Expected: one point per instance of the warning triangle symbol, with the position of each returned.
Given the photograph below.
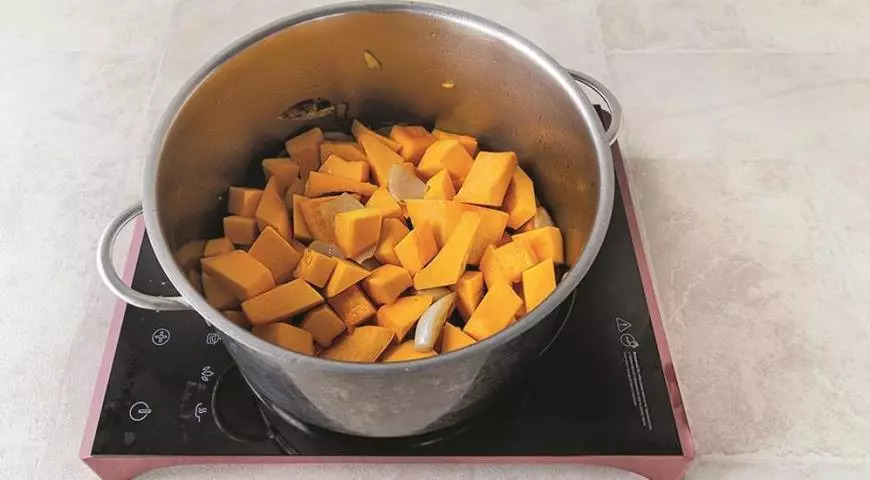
(622, 325)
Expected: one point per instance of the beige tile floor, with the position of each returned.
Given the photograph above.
(746, 141)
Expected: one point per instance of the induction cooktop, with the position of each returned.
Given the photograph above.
(604, 392)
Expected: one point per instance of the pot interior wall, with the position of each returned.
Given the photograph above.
(232, 119)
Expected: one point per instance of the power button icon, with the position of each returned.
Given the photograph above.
(139, 411)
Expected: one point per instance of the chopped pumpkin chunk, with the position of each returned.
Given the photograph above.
(187, 256)
(305, 150)
(362, 345)
(495, 312)
(286, 336)
(357, 170)
(240, 230)
(349, 151)
(217, 246)
(392, 231)
(538, 283)
(414, 140)
(300, 227)
(546, 242)
(491, 269)
(359, 130)
(243, 201)
(514, 259)
(488, 179)
(449, 263)
(440, 187)
(357, 230)
(441, 215)
(319, 215)
(453, 338)
(195, 279)
(323, 324)
(519, 200)
(285, 171)
(540, 220)
(237, 317)
(315, 268)
(322, 184)
(469, 290)
(446, 154)
(353, 306)
(386, 283)
(417, 248)
(272, 210)
(401, 315)
(380, 158)
(281, 303)
(216, 295)
(383, 200)
(405, 352)
(275, 252)
(345, 274)
(239, 273)
(467, 142)
(492, 225)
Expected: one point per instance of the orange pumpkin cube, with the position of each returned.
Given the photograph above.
(243, 201)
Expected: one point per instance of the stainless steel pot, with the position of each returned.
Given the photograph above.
(507, 92)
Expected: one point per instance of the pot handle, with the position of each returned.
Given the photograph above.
(609, 99)
(110, 276)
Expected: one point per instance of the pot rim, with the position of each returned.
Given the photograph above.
(547, 65)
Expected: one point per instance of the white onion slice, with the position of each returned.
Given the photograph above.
(431, 322)
(365, 255)
(542, 218)
(404, 185)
